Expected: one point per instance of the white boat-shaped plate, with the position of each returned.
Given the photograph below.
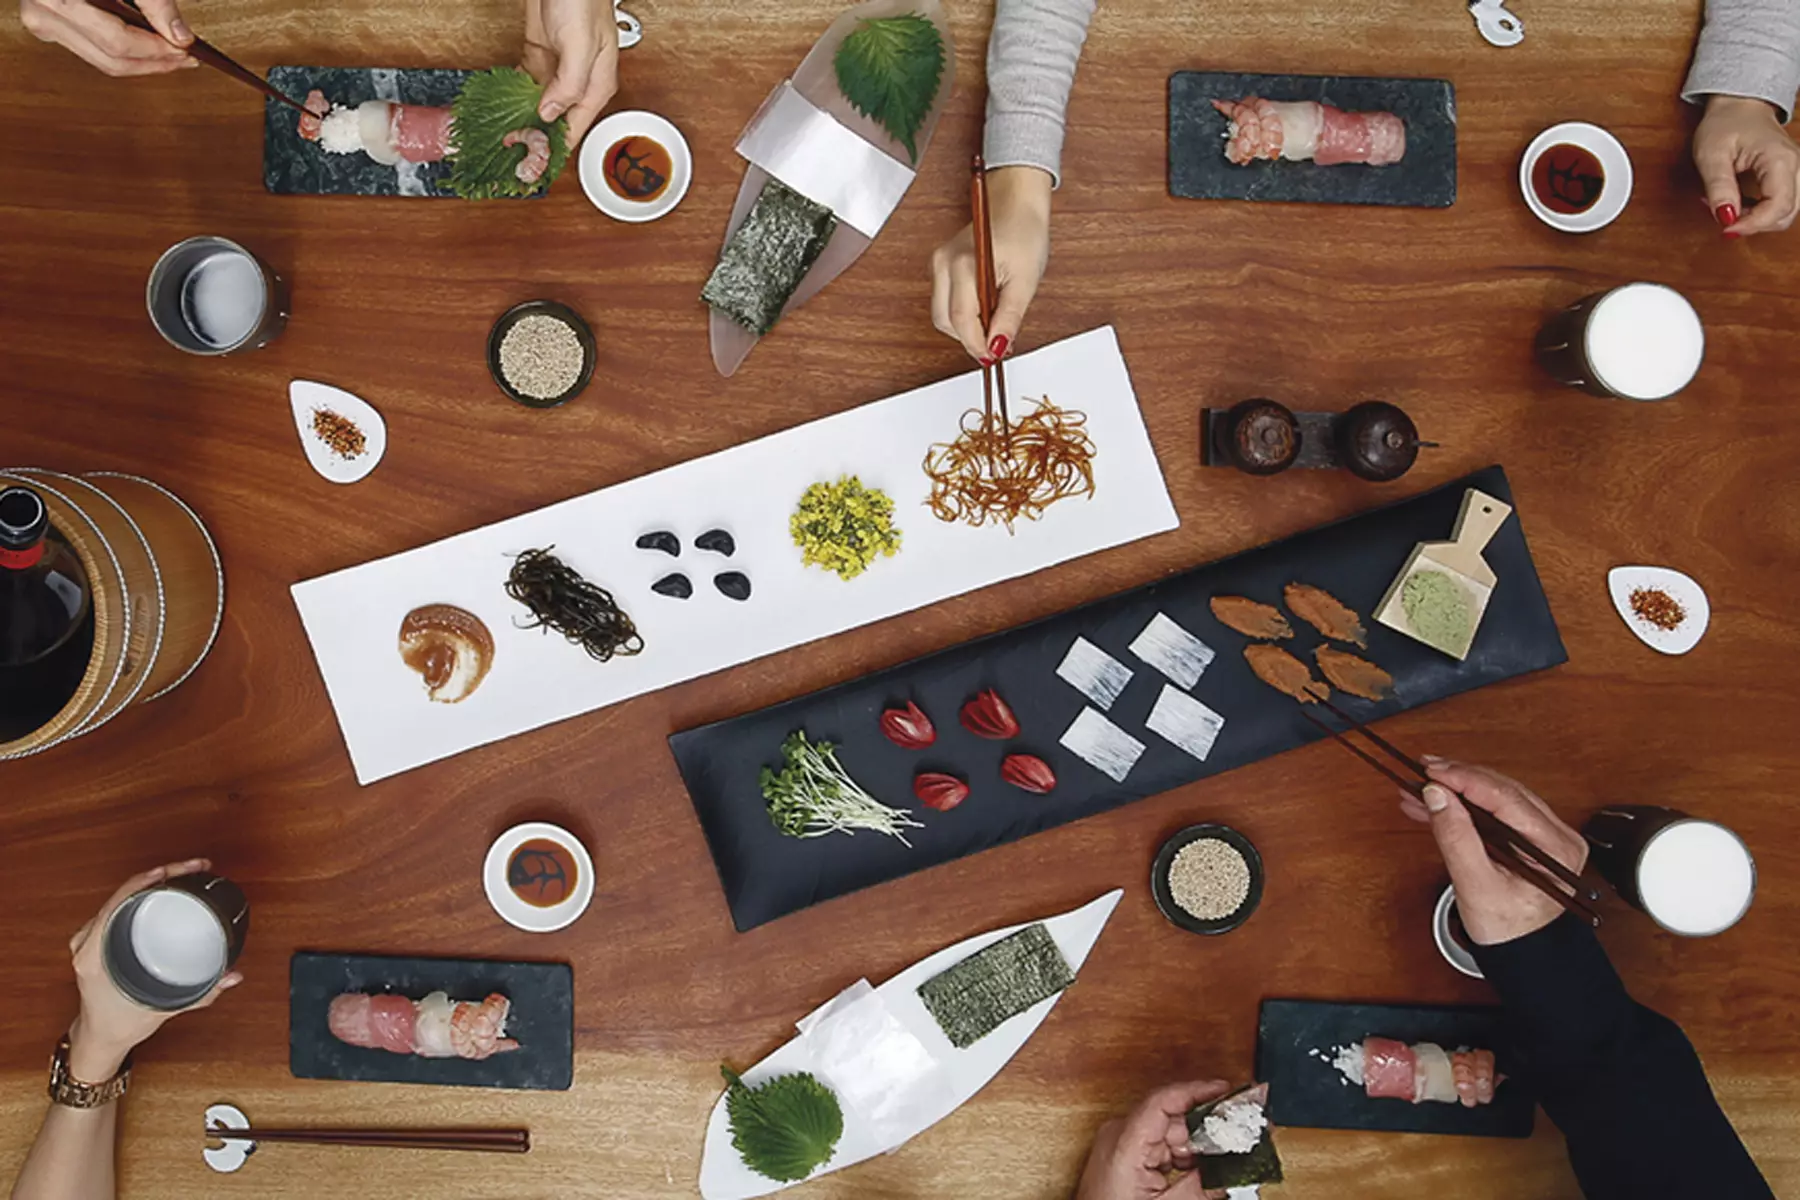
(306, 398)
(1622, 581)
(723, 1175)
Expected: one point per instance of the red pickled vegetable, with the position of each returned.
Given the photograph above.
(1029, 772)
(938, 791)
(908, 728)
(988, 716)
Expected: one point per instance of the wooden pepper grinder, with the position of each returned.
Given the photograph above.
(1378, 441)
(1258, 437)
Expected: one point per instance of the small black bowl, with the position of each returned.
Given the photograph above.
(1165, 900)
(546, 308)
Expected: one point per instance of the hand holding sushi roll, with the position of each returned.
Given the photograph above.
(1131, 1157)
(1496, 905)
(1741, 137)
(1020, 201)
(106, 42)
(572, 48)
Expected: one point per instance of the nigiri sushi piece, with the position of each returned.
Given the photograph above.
(387, 132)
(1419, 1073)
(1304, 130)
(434, 1027)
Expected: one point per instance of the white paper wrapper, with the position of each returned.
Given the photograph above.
(875, 1065)
(806, 148)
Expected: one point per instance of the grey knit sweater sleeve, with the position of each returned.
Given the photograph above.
(1748, 48)
(1032, 54)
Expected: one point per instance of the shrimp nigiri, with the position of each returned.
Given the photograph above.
(1301, 130)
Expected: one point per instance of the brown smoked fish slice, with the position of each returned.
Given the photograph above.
(1285, 673)
(1325, 613)
(1251, 618)
(1358, 676)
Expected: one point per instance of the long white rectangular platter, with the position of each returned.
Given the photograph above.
(352, 617)
(723, 1175)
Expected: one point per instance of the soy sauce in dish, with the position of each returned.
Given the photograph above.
(1568, 179)
(542, 873)
(637, 168)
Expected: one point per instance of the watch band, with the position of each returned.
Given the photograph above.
(71, 1092)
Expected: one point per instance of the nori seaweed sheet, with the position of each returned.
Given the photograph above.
(765, 260)
(1218, 1171)
(971, 999)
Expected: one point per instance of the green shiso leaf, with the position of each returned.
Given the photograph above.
(889, 69)
(786, 1128)
(491, 105)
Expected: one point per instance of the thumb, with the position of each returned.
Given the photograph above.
(1456, 836)
(167, 18)
(1009, 313)
(574, 61)
(1718, 173)
(1186, 1188)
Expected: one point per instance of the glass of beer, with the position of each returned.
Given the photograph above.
(1692, 877)
(1642, 341)
(209, 295)
(169, 945)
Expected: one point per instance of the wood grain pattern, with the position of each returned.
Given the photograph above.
(1214, 302)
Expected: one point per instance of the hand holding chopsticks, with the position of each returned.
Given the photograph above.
(198, 49)
(1515, 864)
(987, 292)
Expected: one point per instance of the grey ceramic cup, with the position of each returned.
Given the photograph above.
(222, 899)
(166, 296)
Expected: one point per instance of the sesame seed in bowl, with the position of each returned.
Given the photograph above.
(541, 353)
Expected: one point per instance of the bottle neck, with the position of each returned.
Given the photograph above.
(19, 560)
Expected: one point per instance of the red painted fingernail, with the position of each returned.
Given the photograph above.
(998, 346)
(1727, 215)
(1733, 234)
(986, 360)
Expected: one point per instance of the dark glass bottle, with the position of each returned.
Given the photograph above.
(46, 616)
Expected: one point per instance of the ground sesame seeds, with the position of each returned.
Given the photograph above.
(541, 357)
(1209, 879)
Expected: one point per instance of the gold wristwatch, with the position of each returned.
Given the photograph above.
(71, 1092)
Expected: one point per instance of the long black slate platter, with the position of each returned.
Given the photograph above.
(1308, 1091)
(766, 875)
(542, 1019)
(1424, 178)
(293, 166)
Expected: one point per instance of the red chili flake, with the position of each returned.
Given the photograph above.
(1029, 772)
(939, 791)
(988, 716)
(908, 728)
(1658, 607)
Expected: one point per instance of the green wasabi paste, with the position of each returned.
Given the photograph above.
(1438, 611)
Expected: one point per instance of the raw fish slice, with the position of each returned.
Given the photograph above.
(1433, 1078)
(1325, 613)
(431, 1031)
(478, 1029)
(1302, 130)
(1389, 1068)
(348, 1019)
(1376, 138)
(421, 133)
(391, 1020)
(375, 121)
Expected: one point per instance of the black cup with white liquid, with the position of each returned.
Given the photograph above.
(209, 295)
(169, 945)
(1695, 878)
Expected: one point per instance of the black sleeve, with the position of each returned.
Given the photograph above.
(1622, 1082)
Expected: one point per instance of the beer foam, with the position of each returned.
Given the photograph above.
(1696, 878)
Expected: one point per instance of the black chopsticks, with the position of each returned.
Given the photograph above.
(987, 288)
(203, 50)
(1505, 845)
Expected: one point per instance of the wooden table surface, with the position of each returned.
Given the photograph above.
(1315, 306)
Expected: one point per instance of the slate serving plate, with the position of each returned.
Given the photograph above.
(542, 1019)
(1424, 178)
(766, 875)
(293, 166)
(1310, 1092)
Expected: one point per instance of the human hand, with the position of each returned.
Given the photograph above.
(110, 1024)
(1019, 214)
(1740, 136)
(108, 43)
(572, 48)
(1496, 905)
(1132, 1157)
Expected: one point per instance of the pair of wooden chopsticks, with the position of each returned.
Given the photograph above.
(987, 288)
(493, 1141)
(1505, 845)
(202, 50)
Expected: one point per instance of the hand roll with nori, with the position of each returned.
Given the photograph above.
(765, 260)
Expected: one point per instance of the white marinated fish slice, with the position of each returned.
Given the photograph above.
(1184, 722)
(723, 1175)
(1172, 650)
(1094, 673)
(1102, 745)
